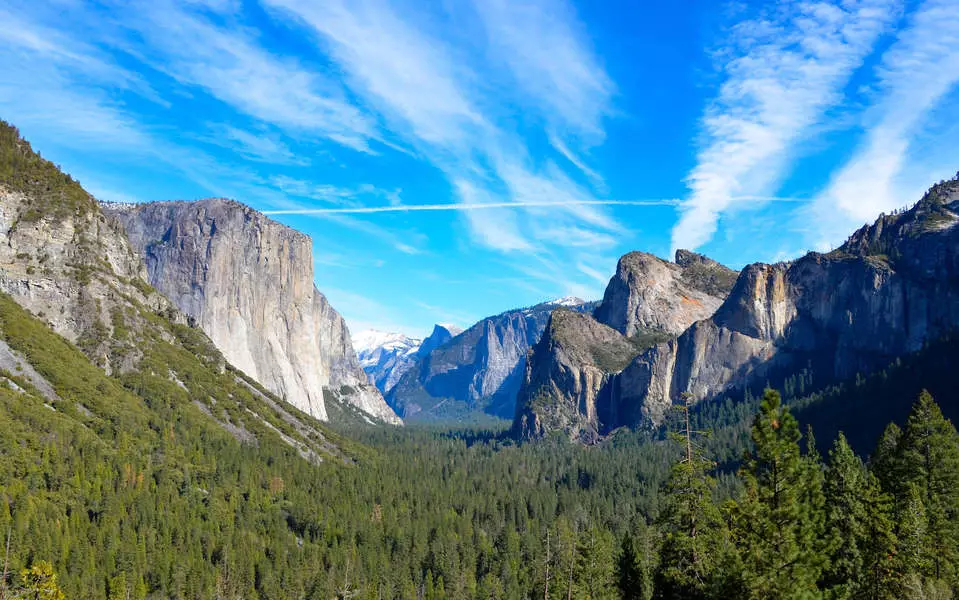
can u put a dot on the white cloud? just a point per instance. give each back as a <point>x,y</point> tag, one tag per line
<point>347,199</point>
<point>445,99</point>
<point>781,75</point>
<point>550,60</point>
<point>228,63</point>
<point>259,146</point>
<point>406,74</point>
<point>917,71</point>
<point>332,194</point>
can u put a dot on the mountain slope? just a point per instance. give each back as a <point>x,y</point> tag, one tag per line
<point>387,356</point>
<point>478,371</point>
<point>174,452</point>
<point>248,283</point>
<point>887,291</point>
<point>568,384</point>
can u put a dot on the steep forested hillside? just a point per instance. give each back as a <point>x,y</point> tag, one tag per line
<point>175,476</point>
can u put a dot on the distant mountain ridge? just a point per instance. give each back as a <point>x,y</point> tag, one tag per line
<point>385,357</point>
<point>889,290</point>
<point>567,384</point>
<point>477,372</point>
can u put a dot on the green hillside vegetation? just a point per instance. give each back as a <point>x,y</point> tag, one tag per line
<point>54,194</point>
<point>178,477</point>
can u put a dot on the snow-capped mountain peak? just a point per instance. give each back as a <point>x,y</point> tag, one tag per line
<point>568,301</point>
<point>372,339</point>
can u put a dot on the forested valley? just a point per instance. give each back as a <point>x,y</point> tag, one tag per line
<point>157,503</point>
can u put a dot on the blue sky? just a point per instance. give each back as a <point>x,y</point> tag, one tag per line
<point>539,139</point>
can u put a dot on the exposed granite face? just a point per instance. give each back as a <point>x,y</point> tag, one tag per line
<point>479,370</point>
<point>247,281</point>
<point>569,383</point>
<point>887,291</point>
<point>565,385</point>
<point>649,293</point>
<point>73,272</point>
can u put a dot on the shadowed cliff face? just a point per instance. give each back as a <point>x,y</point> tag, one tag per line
<point>387,363</point>
<point>247,281</point>
<point>890,289</point>
<point>568,383</point>
<point>477,371</point>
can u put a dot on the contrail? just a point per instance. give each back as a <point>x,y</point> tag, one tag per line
<point>486,206</point>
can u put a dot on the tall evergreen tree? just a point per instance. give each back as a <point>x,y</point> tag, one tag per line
<point>846,521</point>
<point>594,577</point>
<point>773,527</point>
<point>694,533</point>
<point>629,575</point>
<point>878,545</point>
<point>884,462</point>
<point>929,455</point>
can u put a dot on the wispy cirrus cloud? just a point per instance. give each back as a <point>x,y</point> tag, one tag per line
<point>782,72</point>
<point>541,43</point>
<point>228,63</point>
<point>50,82</point>
<point>915,74</point>
<point>459,206</point>
<point>347,199</point>
<point>259,146</point>
<point>444,100</point>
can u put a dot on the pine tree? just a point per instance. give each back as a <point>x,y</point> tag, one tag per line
<point>773,527</point>
<point>594,575</point>
<point>629,575</point>
<point>879,581</point>
<point>40,583</point>
<point>929,453</point>
<point>694,533</point>
<point>846,521</point>
<point>885,463</point>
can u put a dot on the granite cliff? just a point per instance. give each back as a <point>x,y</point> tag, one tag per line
<point>71,280</point>
<point>247,282</point>
<point>478,371</point>
<point>385,357</point>
<point>568,382</point>
<point>888,291</point>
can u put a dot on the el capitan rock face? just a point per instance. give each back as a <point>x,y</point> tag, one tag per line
<point>568,384</point>
<point>248,283</point>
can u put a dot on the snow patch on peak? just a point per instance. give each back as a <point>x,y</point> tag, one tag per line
<point>568,301</point>
<point>372,339</point>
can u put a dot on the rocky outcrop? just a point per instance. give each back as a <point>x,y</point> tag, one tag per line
<point>568,384</point>
<point>247,281</point>
<point>649,293</point>
<point>75,271</point>
<point>890,289</point>
<point>479,370</point>
<point>565,385</point>
<point>72,268</point>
